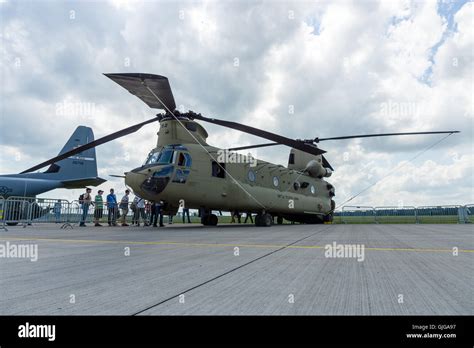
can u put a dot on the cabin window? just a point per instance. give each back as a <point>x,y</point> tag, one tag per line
<point>183,160</point>
<point>276,181</point>
<point>291,160</point>
<point>296,185</point>
<point>313,190</point>
<point>251,175</point>
<point>187,161</point>
<point>218,169</point>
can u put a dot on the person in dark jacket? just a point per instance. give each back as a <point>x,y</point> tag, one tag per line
<point>156,212</point>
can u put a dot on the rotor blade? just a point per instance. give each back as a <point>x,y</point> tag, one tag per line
<point>317,140</point>
<point>155,91</point>
<point>117,176</point>
<point>326,163</point>
<point>100,141</point>
<point>297,144</point>
<point>252,146</point>
<point>137,83</point>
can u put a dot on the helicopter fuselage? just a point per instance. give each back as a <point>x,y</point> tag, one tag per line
<point>184,171</point>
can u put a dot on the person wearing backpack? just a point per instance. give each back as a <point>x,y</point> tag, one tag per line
<point>85,200</point>
<point>124,207</point>
<point>112,208</point>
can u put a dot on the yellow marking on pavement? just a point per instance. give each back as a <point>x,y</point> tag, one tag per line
<point>276,246</point>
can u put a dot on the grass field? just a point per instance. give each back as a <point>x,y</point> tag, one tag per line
<point>421,219</point>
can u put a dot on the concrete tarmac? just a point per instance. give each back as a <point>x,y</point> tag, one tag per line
<point>239,269</point>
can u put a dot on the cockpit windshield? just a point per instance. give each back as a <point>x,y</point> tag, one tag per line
<point>165,156</point>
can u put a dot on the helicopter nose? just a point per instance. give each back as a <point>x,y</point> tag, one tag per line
<point>132,179</point>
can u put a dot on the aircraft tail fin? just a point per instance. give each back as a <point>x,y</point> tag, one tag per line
<point>78,170</point>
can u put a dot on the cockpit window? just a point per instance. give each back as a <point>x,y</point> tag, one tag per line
<point>170,154</point>
<point>152,157</point>
<point>164,156</point>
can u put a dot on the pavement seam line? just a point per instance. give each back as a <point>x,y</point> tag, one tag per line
<point>227,272</point>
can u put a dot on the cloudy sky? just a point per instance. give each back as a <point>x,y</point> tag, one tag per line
<point>300,69</point>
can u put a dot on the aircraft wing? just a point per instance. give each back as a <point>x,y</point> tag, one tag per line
<point>83,182</point>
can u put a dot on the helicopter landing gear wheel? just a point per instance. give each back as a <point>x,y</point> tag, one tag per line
<point>328,218</point>
<point>279,220</point>
<point>209,220</point>
<point>263,220</point>
<point>213,220</point>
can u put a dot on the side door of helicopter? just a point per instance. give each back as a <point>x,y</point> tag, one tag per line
<point>183,163</point>
<point>218,179</point>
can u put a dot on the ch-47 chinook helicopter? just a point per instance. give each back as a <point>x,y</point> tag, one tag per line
<point>184,169</point>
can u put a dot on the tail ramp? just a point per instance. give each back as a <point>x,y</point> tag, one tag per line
<point>79,170</point>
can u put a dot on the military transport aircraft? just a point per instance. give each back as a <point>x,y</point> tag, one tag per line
<point>75,171</point>
<point>184,170</point>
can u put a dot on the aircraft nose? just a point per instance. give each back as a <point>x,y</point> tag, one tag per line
<point>132,179</point>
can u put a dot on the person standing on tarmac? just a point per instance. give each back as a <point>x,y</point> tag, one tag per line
<point>235,213</point>
<point>124,207</point>
<point>186,212</point>
<point>99,208</point>
<point>57,211</point>
<point>148,206</point>
<point>86,202</point>
<point>248,216</point>
<point>139,212</point>
<point>112,208</point>
<point>133,208</point>
<point>156,208</point>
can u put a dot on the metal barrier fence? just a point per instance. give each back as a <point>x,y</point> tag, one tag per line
<point>469,213</point>
<point>395,215</point>
<point>25,210</point>
<point>439,214</point>
<point>358,215</point>
<point>445,214</point>
<point>2,207</point>
<point>28,210</point>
